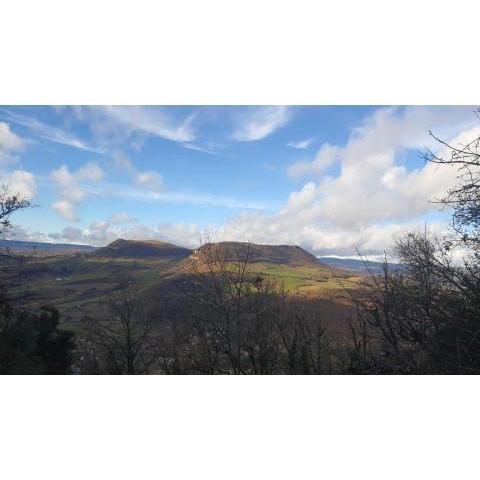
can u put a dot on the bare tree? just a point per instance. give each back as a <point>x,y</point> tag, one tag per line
<point>242,322</point>
<point>124,341</point>
<point>219,277</point>
<point>464,198</point>
<point>304,343</point>
<point>419,318</point>
<point>9,204</point>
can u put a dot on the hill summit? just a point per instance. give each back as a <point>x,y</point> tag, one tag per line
<point>291,255</point>
<point>142,249</point>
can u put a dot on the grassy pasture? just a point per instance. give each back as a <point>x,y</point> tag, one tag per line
<point>308,278</point>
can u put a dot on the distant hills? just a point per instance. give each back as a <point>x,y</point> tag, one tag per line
<point>24,247</point>
<point>289,255</point>
<point>356,265</point>
<point>141,249</point>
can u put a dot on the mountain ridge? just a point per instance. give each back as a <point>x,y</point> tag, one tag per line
<point>141,249</point>
<point>25,245</point>
<point>280,254</point>
<point>291,255</point>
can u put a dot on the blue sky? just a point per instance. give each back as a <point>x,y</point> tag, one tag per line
<point>329,178</point>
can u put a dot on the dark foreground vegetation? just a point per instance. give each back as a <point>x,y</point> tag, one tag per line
<point>225,318</point>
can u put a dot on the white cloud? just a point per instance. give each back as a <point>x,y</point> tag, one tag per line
<point>373,184</point>
<point>90,172</point>
<point>115,125</point>
<point>259,122</point>
<point>22,182</point>
<point>10,143</point>
<point>153,121</point>
<point>70,188</point>
<point>103,232</point>
<point>66,209</point>
<point>48,132</point>
<point>318,238</point>
<point>324,158</point>
<point>17,232</point>
<point>151,180</point>
<point>207,147</point>
<point>302,144</point>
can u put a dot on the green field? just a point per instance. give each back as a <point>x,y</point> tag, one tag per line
<point>308,278</point>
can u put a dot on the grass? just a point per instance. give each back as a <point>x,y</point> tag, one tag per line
<point>307,278</point>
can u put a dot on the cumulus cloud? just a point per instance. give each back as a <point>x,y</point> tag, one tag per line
<point>103,232</point>
<point>373,184</point>
<point>9,140</point>
<point>21,182</point>
<point>324,158</point>
<point>66,209</point>
<point>10,143</point>
<point>71,190</point>
<point>318,238</point>
<point>259,122</point>
<point>17,232</point>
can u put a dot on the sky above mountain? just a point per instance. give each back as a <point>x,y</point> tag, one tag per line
<point>331,179</point>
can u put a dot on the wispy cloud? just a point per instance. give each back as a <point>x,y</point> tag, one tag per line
<point>202,199</point>
<point>301,145</point>
<point>150,180</point>
<point>48,132</point>
<point>116,123</point>
<point>258,122</point>
<point>209,148</point>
